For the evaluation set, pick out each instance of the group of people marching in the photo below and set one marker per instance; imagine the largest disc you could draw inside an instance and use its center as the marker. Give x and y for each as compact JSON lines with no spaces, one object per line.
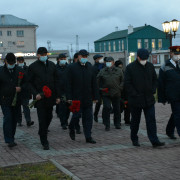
{"x":74,"y":87}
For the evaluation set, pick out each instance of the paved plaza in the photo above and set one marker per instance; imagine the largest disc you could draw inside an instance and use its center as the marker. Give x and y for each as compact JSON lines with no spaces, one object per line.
{"x":112,"y":157}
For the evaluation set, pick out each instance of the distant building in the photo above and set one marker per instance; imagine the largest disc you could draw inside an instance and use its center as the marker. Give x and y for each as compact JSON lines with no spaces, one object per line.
{"x":132,"y":39}
{"x":17,"y":35}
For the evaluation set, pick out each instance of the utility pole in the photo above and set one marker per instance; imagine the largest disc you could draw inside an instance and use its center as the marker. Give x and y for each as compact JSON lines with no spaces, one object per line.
{"x":77,"y":43}
{"x":71,"y":52}
{"x":49,"y":45}
{"x":88,"y":47}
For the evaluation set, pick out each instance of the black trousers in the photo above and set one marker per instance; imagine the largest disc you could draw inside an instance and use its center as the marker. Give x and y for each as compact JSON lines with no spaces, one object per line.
{"x":170,"y":128}
{"x":44,"y":118}
{"x":149,"y":113}
{"x":98,"y":105}
{"x":107,"y":110}
{"x":87,"y":120}
{"x":63,"y":113}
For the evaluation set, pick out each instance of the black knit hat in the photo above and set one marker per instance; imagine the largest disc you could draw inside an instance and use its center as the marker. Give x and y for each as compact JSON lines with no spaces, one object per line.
{"x":10,"y":58}
{"x":20,"y":58}
{"x":118,"y":62}
{"x":42,"y":50}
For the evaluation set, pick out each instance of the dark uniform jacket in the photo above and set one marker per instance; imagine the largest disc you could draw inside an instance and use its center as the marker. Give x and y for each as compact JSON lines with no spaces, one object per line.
{"x":169,"y":83}
{"x":26,"y":94}
{"x":8,"y":84}
{"x":97,"y":67}
{"x":140,"y":83}
{"x":82,"y":84}
{"x":62,"y":77}
{"x":43,"y":74}
{"x":111,"y":78}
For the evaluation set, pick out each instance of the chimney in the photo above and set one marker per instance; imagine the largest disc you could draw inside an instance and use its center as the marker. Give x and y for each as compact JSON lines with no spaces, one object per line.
{"x":130,"y":29}
{"x":116,"y":28}
{"x":2,"y":19}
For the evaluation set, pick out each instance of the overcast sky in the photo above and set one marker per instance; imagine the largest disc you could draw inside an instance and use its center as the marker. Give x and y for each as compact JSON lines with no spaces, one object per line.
{"x":61,"y":20}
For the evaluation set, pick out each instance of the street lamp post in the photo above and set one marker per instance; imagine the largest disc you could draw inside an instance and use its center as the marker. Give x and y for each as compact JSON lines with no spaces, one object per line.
{"x":170,"y":27}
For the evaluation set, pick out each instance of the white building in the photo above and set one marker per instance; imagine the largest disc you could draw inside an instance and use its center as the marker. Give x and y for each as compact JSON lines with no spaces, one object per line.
{"x":16,"y":35}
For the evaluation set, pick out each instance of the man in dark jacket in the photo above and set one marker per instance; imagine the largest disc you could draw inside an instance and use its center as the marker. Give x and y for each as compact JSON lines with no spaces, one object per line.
{"x":44,"y":73}
{"x":25,"y":96}
{"x":169,"y":89}
{"x":141,"y":82}
{"x":9,"y":77}
{"x":63,"y":110}
{"x":82,"y":86}
{"x":111,"y":79}
{"x":124,"y":106}
{"x":99,"y":64}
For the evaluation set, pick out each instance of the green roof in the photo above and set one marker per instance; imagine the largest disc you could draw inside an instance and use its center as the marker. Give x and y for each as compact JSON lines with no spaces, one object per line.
{"x":118,"y":34}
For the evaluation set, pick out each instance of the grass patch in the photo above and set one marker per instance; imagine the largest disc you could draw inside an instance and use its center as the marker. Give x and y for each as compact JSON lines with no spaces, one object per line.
{"x":37,"y":171}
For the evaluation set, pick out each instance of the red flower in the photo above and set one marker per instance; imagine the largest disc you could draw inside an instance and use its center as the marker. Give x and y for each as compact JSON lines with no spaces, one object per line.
{"x":75,"y":106}
{"x":106,"y":90}
{"x":47,"y":92}
{"x":21,"y":75}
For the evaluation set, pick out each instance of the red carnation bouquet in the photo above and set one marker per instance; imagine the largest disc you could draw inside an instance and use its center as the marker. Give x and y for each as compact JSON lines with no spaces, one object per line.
{"x":20,"y":77}
{"x":47,"y":93}
{"x":106,"y":90}
{"x":75,"y":106}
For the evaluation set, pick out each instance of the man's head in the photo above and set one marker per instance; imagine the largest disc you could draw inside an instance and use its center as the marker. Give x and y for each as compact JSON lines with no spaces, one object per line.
{"x":20,"y":61}
{"x":119,"y":63}
{"x":98,"y":58}
{"x":175,"y":53}
{"x":109,"y":61}
{"x":82,"y":56}
{"x":75,"y":57}
{"x":10,"y":60}
{"x":42,"y":54}
{"x":62,"y":59}
{"x":142,"y":56}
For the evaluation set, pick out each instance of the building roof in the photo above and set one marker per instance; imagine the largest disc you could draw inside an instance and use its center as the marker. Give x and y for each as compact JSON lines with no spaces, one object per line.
{"x":119,"y":34}
{"x":7,"y":20}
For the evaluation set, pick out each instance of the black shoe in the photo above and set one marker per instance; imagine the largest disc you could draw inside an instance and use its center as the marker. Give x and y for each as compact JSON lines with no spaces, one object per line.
{"x":46,"y":146}
{"x":107,"y":128}
{"x":30,"y":123}
{"x":127,"y":123}
{"x":19,"y":124}
{"x":90,"y":140}
{"x":118,"y":127}
{"x":171,"y":136}
{"x":64,"y":127}
{"x":72,"y":134}
{"x":158,"y":144}
{"x":78,"y":131}
{"x":136,"y":143}
{"x":95,"y":118}
{"x":12,"y":144}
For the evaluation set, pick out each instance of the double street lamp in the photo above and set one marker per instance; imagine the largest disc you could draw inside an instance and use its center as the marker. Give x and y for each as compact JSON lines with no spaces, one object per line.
{"x":170,"y":27}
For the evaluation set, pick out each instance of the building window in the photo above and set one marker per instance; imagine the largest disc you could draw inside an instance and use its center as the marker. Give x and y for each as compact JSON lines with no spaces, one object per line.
{"x":114,"y":46}
{"x":20,"y":44}
{"x":20,"y":33}
{"x":156,"y":59}
{"x":100,"y":47}
{"x":1,"y":44}
{"x":104,"y":47}
{"x":119,"y":45}
{"x":8,"y":33}
{"x":159,"y":43}
{"x":122,"y":45}
{"x":153,"y":44}
{"x":109,"y":46}
{"x":10,"y":43}
{"x":0,"y":33}
{"x":146,"y":44}
{"x":139,"y":45}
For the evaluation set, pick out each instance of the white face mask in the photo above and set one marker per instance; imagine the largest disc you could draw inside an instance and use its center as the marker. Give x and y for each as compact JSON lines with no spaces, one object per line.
{"x":176,"y":58}
{"x":143,"y":62}
{"x":101,"y":61}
